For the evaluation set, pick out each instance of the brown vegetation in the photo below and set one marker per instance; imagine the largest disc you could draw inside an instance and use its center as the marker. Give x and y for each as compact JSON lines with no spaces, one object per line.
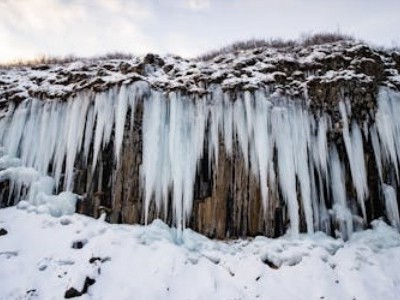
{"x":61,"y":60}
{"x":324,"y":38}
{"x":277,"y":43}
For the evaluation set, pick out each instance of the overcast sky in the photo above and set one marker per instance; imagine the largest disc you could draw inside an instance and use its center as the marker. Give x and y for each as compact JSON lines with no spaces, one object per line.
{"x":29,"y":28}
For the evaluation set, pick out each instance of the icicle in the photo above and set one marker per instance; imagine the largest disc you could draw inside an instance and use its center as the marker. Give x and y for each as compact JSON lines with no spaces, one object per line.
{"x":29,"y":145}
{"x":216,"y":125}
{"x":14,"y":131}
{"x":173,"y":139}
{"x":355,"y":154}
{"x":104,"y":112}
{"x":262,"y":144}
{"x":387,"y":123}
{"x":281,"y":130}
{"x":322,"y":147}
{"x":240,"y":128}
{"x":49,"y":133}
{"x":155,"y":168}
{"x":75,"y":126}
{"x":300,"y":122}
{"x":341,"y":212}
{"x":88,"y":133}
{"x":392,"y":209}
{"x":227,"y":123}
{"x":59,"y":152}
{"x":377,"y":150}
{"x":120,"y":118}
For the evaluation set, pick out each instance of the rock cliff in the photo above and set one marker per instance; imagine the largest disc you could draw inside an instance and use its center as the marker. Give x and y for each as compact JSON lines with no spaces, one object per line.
{"x":259,"y":141}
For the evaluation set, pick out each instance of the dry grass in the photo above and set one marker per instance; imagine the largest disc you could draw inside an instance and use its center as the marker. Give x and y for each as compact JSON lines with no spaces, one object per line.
{"x":57,"y":60}
{"x":324,"y":38}
{"x":305,"y":40}
{"x":246,"y":45}
{"x":113,"y":55}
{"x":41,"y":60}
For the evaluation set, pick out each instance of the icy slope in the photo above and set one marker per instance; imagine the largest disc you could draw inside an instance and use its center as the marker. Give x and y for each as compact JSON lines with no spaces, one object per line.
{"x":42,"y":257}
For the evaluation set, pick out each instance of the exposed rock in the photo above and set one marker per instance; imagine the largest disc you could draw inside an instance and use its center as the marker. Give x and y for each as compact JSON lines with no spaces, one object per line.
{"x":168,"y":68}
{"x":88,"y":282}
{"x":125,"y":67}
{"x":3,"y":232}
{"x":153,"y":59}
{"x":270,"y":264}
{"x":92,"y":260}
{"x":73,"y":292}
{"x":371,"y":68}
{"x":79,"y":244}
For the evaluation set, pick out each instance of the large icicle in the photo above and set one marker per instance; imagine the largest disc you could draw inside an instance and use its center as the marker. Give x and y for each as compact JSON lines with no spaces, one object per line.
{"x":388,"y":126}
{"x":282,"y":134}
{"x":301,"y":138}
{"x":120,"y":118}
{"x":355,"y":153}
{"x":392,"y":208}
{"x":173,"y":138}
{"x":262,"y":143}
{"x":341,"y":212}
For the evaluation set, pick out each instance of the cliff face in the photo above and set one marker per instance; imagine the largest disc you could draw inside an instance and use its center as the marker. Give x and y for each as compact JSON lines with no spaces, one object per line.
{"x":254,"y":142}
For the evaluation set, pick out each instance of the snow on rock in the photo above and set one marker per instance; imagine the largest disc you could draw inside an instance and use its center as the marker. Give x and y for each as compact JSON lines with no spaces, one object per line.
{"x":38,"y":261}
{"x":346,"y":60}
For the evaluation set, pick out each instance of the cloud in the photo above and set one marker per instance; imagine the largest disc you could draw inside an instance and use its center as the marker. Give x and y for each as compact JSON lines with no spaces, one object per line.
{"x":198,"y":4}
{"x":186,"y":27}
{"x":61,"y":27}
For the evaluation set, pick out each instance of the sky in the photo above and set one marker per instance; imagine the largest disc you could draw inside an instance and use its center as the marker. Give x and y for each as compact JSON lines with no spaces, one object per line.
{"x":32,"y":28}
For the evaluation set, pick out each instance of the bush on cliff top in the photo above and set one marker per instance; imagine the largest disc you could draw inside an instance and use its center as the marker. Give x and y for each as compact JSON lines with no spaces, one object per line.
{"x":305,"y":40}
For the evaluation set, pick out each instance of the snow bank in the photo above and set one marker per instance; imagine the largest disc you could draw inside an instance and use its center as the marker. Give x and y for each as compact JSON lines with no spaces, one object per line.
{"x":42,"y":257}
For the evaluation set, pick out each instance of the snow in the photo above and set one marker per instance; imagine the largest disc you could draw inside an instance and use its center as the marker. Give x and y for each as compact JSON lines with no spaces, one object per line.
{"x":37,"y":261}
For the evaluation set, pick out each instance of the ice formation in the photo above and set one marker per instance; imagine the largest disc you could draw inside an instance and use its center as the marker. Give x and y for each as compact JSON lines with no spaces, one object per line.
{"x":283,"y":144}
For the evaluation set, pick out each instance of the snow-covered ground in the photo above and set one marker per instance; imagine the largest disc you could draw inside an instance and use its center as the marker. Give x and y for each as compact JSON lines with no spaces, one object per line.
{"x":41,"y":257}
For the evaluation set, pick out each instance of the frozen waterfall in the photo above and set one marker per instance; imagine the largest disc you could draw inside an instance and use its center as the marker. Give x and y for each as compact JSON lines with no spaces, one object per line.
{"x":285,"y":146}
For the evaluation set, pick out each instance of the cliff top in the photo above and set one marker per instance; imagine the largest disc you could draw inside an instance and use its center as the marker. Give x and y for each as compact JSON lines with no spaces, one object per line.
{"x":292,"y":70}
